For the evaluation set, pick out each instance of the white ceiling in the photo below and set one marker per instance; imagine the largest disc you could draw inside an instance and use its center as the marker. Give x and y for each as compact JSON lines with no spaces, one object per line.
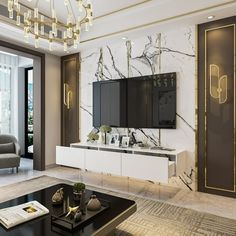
{"x":101,"y":7}
{"x":131,"y":18}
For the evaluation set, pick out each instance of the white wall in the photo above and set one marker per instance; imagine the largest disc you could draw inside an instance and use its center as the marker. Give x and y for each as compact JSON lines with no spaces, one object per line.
{"x":21,"y":108}
{"x":53,"y":108}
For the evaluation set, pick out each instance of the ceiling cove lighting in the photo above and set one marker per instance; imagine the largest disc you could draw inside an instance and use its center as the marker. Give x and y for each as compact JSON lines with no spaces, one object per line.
{"x":48,"y":27}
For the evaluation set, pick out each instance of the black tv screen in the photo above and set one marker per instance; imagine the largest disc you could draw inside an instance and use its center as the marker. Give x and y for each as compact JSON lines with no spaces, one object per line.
{"x":140,"y":102}
{"x":164,"y":101}
{"x":166,"y":106}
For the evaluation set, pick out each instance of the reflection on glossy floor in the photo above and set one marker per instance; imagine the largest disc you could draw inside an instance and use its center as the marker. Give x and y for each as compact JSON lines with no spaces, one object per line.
{"x":217,"y":205}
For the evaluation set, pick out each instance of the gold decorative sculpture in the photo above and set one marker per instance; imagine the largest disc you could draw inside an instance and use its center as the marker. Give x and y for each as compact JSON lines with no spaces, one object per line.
{"x":57,"y":197}
{"x":218,"y":85}
{"x":72,"y":211}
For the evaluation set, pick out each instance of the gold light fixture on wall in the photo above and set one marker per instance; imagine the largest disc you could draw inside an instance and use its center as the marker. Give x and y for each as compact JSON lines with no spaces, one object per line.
{"x":48,"y":27}
{"x":218,"y":84}
{"x":67,"y":97}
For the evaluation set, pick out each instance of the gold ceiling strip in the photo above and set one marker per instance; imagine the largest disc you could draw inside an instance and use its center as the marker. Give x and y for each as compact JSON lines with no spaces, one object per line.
{"x":122,"y":9}
{"x":157,"y":22}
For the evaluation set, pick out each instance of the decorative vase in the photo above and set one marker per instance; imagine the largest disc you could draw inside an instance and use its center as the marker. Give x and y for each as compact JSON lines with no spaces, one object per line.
{"x":77,"y":196}
{"x":82,"y":205}
{"x":94,"y":204}
{"x":78,"y":216}
{"x":105,"y":138}
{"x":100,"y":139}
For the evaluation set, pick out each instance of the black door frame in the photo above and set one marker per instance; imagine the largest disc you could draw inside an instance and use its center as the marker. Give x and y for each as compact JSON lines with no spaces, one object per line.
{"x":39,"y":164}
{"x":27,"y":154}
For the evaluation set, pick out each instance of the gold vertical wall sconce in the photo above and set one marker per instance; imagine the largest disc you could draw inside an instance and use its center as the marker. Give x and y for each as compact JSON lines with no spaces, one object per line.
{"x":67,"y":96}
{"x":218,"y":85}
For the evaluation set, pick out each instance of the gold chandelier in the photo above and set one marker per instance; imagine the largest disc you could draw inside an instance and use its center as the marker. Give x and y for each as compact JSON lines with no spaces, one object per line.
{"x":49,"y":27}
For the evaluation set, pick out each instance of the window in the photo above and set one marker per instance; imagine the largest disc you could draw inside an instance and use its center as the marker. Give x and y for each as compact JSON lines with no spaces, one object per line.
{"x":5,"y":100}
{"x":29,"y":116}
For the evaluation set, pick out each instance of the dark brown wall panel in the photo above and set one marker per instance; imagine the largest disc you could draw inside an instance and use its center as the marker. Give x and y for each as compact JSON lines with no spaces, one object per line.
{"x":216,"y":112}
{"x":70,"y":107}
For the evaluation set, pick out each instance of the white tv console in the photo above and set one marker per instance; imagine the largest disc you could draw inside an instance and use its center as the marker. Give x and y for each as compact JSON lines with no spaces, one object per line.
{"x":145,"y":164}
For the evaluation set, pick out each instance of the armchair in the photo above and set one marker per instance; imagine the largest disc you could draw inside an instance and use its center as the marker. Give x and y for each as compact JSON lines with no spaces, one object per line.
{"x":9,"y":152}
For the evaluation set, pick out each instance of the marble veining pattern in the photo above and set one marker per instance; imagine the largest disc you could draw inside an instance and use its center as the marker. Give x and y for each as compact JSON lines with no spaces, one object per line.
{"x":171,"y":51}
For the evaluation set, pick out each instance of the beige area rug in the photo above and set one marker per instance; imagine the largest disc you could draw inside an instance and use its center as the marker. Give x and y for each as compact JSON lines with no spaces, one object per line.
{"x":153,"y":218}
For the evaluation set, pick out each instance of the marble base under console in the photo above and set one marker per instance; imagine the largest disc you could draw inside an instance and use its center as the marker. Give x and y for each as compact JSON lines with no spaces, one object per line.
{"x":145,"y":164}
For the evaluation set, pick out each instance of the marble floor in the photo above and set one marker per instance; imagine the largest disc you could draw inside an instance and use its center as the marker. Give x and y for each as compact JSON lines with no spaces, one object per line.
{"x":221,"y":206}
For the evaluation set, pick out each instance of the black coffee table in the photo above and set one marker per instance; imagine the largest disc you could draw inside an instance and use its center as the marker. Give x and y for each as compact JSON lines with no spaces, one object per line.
{"x":103,"y":224}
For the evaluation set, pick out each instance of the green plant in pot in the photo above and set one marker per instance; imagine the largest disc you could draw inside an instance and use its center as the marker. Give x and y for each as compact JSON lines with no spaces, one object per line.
{"x":78,"y":189}
{"x":92,"y":137}
{"x":105,"y":129}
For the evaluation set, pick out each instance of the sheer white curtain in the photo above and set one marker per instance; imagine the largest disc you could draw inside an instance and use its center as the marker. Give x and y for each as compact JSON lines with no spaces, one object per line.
{"x":8,"y":93}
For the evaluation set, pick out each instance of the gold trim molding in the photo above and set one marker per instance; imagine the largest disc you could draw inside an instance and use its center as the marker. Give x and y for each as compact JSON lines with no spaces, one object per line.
{"x":122,"y":9}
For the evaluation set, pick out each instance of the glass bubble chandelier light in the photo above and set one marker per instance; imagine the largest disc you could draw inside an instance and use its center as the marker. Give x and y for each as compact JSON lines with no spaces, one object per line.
{"x":49,"y":27}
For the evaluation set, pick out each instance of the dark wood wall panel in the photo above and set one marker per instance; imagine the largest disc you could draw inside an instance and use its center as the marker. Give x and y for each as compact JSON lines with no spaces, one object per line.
{"x":216,"y":112}
{"x":70,"y":99}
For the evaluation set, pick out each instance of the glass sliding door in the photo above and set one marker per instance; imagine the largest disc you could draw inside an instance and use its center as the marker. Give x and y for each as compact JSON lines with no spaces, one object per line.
{"x":29,"y":115}
{"x":5,"y":100}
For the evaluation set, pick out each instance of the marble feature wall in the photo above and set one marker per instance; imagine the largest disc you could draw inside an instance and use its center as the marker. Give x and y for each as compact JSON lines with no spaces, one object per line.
{"x":172,"y":51}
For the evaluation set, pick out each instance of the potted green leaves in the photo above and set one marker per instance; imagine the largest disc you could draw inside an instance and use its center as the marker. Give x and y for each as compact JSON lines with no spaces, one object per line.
{"x":92,"y":137}
{"x":78,"y":189}
{"x":105,"y":129}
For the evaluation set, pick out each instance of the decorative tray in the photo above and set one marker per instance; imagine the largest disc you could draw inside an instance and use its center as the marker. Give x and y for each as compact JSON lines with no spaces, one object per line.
{"x":69,"y":224}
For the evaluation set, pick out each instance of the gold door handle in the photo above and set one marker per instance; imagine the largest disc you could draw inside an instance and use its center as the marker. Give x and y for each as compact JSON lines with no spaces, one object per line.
{"x":67,"y":96}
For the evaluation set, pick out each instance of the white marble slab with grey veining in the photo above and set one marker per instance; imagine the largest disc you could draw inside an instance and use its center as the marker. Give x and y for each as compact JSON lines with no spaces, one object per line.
{"x":171,"y":51}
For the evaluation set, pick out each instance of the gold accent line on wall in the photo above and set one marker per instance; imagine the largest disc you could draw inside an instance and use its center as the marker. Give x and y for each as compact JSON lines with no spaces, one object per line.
{"x":205,"y":140}
{"x":128,"y":52}
{"x":157,"y":22}
{"x":196,"y":108}
{"x":122,"y":9}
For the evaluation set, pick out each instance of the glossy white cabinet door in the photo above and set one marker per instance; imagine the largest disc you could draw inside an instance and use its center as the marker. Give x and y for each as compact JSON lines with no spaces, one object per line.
{"x":103,"y":162}
{"x":72,"y":157}
{"x":145,"y":167}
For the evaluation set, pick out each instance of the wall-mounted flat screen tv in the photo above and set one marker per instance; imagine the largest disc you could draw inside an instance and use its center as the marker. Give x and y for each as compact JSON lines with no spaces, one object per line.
{"x":139,"y":102}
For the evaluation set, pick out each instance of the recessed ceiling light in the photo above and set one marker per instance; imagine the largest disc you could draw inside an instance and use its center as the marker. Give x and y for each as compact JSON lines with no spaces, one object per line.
{"x":210,"y":17}
{"x":124,"y":38}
